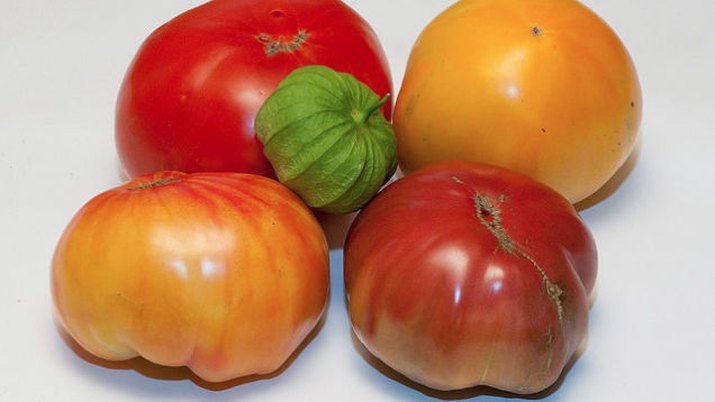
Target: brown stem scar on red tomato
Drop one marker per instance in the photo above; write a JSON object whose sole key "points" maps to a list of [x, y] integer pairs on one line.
{"points": [[275, 46], [489, 214]]}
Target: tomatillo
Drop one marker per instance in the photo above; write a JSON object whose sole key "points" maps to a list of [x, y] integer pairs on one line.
{"points": [[326, 139]]}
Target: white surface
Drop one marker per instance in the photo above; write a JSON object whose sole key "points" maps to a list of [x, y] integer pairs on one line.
{"points": [[653, 322]]}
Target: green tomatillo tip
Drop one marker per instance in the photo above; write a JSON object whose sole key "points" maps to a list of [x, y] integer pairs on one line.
{"points": [[361, 116]]}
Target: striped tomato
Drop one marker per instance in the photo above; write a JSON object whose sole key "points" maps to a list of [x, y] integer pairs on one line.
{"points": [[225, 273]]}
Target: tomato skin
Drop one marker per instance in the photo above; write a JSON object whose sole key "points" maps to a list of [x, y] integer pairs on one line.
{"points": [[542, 87], [225, 273], [450, 303], [189, 98]]}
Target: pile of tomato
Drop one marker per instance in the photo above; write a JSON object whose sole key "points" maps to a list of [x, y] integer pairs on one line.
{"points": [[471, 268]]}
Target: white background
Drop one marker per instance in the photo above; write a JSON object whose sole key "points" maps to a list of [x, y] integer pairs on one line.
{"points": [[653, 323]]}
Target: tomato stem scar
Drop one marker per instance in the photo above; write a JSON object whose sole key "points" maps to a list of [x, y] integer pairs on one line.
{"points": [[489, 214], [274, 46], [156, 183]]}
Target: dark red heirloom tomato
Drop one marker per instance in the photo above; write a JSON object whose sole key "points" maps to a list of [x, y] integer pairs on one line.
{"points": [[463, 274], [189, 99]]}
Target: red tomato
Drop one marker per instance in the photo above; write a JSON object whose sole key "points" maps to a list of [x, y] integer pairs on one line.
{"points": [[225, 273], [189, 99], [463, 274]]}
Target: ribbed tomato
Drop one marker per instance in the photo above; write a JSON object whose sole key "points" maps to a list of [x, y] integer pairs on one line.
{"points": [[189, 99], [463, 274], [542, 87], [225, 273]]}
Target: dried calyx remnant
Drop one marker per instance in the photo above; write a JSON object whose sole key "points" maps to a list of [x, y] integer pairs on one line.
{"points": [[273, 46], [156, 183], [489, 214]]}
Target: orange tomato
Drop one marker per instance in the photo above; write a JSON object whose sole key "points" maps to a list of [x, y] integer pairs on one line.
{"points": [[542, 87], [225, 273]]}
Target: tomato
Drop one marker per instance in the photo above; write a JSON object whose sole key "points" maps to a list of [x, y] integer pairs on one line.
{"points": [[542, 87], [226, 273], [464, 274], [189, 98]]}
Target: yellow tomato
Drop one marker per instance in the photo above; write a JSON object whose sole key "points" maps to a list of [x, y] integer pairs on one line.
{"points": [[225, 273], [542, 87]]}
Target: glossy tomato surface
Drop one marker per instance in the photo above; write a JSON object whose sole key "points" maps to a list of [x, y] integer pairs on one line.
{"points": [[542, 87], [464, 274], [225, 273], [189, 98]]}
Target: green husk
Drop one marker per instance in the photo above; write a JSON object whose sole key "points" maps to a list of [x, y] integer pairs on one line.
{"points": [[326, 138]]}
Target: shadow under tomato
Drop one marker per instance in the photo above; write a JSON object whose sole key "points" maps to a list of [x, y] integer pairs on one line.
{"points": [[335, 227], [166, 373], [615, 181], [461, 394]]}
